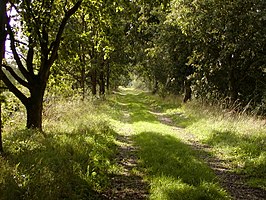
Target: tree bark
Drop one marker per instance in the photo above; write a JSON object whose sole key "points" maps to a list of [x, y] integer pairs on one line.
{"points": [[108, 72], [1, 141], [102, 83], [188, 92], [2, 29], [34, 116], [2, 53], [83, 80], [94, 82], [34, 107], [155, 86], [232, 85]]}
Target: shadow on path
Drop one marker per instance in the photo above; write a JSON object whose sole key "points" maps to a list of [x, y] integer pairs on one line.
{"points": [[128, 184], [173, 164]]}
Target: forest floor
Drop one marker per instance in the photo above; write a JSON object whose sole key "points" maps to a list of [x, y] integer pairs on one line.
{"points": [[146, 135]]}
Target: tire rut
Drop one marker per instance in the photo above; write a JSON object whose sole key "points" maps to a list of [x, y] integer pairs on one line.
{"points": [[128, 184]]}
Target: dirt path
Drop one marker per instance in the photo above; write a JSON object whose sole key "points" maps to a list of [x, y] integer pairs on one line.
{"points": [[129, 183], [233, 183]]}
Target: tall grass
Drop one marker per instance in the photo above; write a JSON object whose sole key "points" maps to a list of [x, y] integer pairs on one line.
{"points": [[238, 138], [71, 159]]}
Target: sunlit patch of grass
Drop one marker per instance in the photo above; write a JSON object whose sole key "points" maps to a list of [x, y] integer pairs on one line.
{"points": [[168, 188], [235, 137], [71, 159], [173, 169], [240, 139]]}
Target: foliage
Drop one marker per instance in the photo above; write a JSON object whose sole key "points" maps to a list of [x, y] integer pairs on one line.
{"points": [[228, 52], [97, 52]]}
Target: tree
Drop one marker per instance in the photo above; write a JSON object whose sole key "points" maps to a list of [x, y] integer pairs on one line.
{"points": [[97, 51], [227, 39], [3, 21], [39, 21]]}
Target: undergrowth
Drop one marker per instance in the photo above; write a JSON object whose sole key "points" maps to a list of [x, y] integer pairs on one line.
{"points": [[70, 160]]}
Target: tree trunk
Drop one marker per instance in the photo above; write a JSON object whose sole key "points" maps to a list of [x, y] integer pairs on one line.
{"points": [[83, 80], [1, 142], [155, 86], [2, 29], [94, 82], [108, 77], [34, 108], [188, 92], [233, 91], [2, 53], [102, 83]]}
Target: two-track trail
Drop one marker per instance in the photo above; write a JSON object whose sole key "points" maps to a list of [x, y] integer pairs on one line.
{"points": [[138, 179], [128, 183]]}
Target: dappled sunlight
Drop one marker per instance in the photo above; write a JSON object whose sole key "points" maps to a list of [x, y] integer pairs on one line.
{"points": [[174, 170], [158, 127], [73, 160]]}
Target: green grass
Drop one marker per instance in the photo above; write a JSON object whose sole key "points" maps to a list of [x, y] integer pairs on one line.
{"points": [[72, 159], [174, 170], [170, 166], [237, 138]]}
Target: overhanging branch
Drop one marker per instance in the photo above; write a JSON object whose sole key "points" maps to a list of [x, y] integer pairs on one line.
{"points": [[15, 53], [13, 88], [55, 45], [15, 76]]}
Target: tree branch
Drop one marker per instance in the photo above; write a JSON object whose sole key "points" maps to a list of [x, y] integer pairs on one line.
{"points": [[29, 60], [36, 22], [16, 77], [16, 56], [13, 88], [55, 45]]}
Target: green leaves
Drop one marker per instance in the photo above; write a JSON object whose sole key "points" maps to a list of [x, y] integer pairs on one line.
{"points": [[226, 37]]}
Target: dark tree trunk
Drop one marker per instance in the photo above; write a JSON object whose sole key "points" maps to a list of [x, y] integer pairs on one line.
{"points": [[2, 53], [108, 77], [155, 86], [34, 107], [233, 90], [102, 83], [34, 115], [94, 82], [1, 141], [83, 80], [187, 91], [2, 29]]}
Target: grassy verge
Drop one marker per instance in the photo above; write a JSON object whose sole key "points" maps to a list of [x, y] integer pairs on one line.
{"points": [[72, 159], [170, 166], [238, 139]]}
